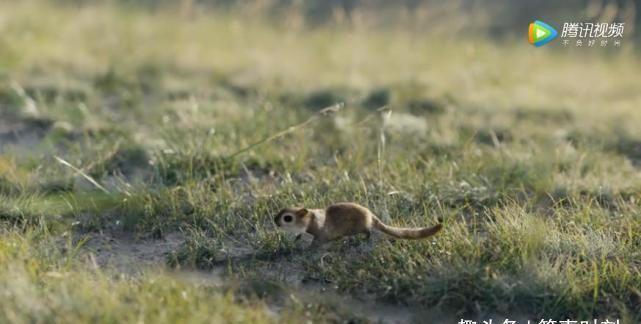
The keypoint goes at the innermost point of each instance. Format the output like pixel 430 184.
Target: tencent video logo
pixel 541 33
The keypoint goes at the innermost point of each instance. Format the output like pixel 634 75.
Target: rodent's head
pixel 293 220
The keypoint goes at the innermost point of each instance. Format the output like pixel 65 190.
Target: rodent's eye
pixel 288 218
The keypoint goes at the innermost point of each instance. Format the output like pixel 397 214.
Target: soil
pixel 22 134
pixel 124 254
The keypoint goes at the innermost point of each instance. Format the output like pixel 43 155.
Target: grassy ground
pixel 533 167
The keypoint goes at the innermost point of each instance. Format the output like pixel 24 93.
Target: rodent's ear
pixel 302 212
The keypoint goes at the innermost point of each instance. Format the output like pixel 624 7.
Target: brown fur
pixel 343 219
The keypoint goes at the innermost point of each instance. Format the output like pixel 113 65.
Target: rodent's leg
pixel 317 243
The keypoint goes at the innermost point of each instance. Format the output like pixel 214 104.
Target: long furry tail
pixel 407 233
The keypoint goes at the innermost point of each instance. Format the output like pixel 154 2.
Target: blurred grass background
pixel 531 155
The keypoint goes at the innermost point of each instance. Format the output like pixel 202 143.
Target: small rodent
pixel 340 220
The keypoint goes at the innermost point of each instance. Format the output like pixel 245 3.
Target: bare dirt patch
pixel 127 254
pixel 22 133
pixel 281 280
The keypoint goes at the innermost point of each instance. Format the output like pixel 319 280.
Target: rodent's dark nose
pixel 276 221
